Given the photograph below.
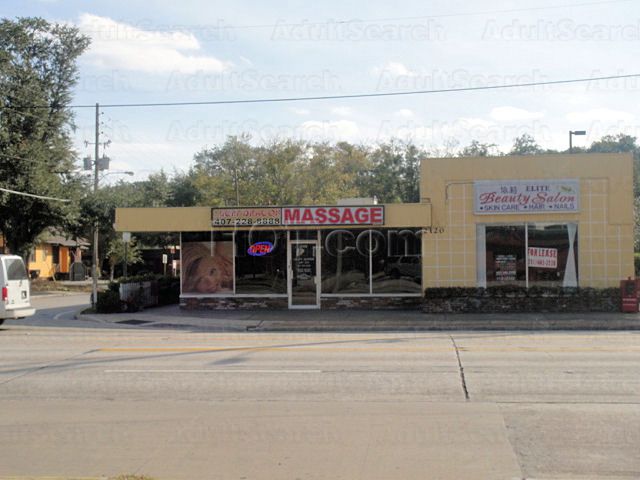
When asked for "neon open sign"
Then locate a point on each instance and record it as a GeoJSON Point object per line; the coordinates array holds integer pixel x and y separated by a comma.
{"type": "Point", "coordinates": [260, 249]}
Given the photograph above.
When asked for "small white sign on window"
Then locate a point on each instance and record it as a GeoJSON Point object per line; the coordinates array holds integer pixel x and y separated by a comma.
{"type": "Point", "coordinates": [543, 257]}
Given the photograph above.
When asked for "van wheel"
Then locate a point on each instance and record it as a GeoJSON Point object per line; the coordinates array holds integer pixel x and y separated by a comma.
{"type": "Point", "coordinates": [1, 321]}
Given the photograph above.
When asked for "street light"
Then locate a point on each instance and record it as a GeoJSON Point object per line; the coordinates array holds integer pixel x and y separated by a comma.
{"type": "Point", "coordinates": [571, 134]}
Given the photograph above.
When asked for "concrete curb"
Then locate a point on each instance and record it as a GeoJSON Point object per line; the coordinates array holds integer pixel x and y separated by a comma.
{"type": "Point", "coordinates": [610, 322]}
{"type": "Point", "coordinates": [454, 326]}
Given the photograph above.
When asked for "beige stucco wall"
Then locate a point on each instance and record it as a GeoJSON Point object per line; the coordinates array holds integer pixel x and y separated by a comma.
{"type": "Point", "coordinates": [605, 220]}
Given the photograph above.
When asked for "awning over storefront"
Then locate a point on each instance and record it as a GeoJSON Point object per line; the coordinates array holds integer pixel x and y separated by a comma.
{"type": "Point", "coordinates": [197, 219]}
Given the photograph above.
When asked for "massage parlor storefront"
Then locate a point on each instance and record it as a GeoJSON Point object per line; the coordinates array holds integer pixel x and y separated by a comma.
{"type": "Point", "coordinates": [544, 220]}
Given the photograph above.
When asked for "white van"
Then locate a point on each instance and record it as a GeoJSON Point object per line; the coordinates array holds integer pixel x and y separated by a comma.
{"type": "Point", "coordinates": [16, 291]}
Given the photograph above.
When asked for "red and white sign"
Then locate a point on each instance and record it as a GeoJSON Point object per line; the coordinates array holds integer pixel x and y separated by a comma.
{"type": "Point", "coordinates": [543, 257]}
{"type": "Point", "coordinates": [351, 215]}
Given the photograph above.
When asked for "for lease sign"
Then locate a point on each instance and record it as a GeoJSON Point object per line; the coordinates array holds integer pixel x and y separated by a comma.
{"type": "Point", "coordinates": [542, 257]}
{"type": "Point", "coordinates": [526, 196]}
{"type": "Point", "coordinates": [351, 215]}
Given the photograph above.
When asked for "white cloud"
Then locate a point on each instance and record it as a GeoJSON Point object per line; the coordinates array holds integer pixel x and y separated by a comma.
{"type": "Point", "coordinates": [342, 111]}
{"type": "Point", "coordinates": [299, 111]}
{"type": "Point", "coordinates": [394, 69]}
{"type": "Point", "coordinates": [600, 114]}
{"type": "Point", "coordinates": [116, 45]}
{"type": "Point", "coordinates": [513, 114]}
{"type": "Point", "coordinates": [329, 130]}
{"type": "Point", "coordinates": [246, 61]}
{"type": "Point", "coordinates": [404, 113]}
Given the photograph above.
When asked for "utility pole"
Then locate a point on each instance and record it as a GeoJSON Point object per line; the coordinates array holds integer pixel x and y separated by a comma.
{"type": "Point", "coordinates": [94, 266]}
{"type": "Point", "coordinates": [96, 165]}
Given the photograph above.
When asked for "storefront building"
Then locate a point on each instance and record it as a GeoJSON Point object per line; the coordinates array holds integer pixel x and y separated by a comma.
{"type": "Point", "coordinates": [544, 220]}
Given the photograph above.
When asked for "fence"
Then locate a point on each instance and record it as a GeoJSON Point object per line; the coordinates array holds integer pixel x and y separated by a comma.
{"type": "Point", "coordinates": [143, 294]}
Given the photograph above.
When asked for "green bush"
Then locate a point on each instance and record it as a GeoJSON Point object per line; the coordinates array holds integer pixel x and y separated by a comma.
{"type": "Point", "coordinates": [108, 302]}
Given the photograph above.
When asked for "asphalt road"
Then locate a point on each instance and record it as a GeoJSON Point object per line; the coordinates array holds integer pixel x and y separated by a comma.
{"type": "Point", "coordinates": [80, 401]}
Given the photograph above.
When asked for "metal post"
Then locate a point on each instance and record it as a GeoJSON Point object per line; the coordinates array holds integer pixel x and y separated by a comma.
{"type": "Point", "coordinates": [94, 266]}
{"type": "Point", "coordinates": [570, 142]}
{"type": "Point", "coordinates": [235, 178]}
{"type": "Point", "coordinates": [124, 267]}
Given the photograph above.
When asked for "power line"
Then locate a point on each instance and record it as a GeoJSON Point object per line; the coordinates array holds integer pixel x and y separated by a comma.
{"type": "Point", "coordinates": [355, 95]}
{"type": "Point", "coordinates": [41, 197]}
{"type": "Point", "coordinates": [339, 97]}
{"type": "Point", "coordinates": [364, 21]}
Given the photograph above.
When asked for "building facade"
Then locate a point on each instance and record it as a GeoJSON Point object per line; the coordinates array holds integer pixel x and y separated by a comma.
{"type": "Point", "coordinates": [544, 220]}
{"type": "Point", "coordinates": [585, 241]}
{"type": "Point", "coordinates": [52, 256]}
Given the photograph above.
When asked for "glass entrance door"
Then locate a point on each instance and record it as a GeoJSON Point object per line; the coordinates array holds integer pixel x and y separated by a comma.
{"type": "Point", "coordinates": [304, 281]}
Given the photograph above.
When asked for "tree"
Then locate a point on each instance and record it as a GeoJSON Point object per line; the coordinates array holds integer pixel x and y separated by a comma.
{"type": "Point", "coordinates": [37, 74]}
{"type": "Point", "coordinates": [116, 254]}
{"type": "Point", "coordinates": [224, 174]}
{"type": "Point", "coordinates": [157, 190]}
{"type": "Point", "coordinates": [621, 143]}
{"type": "Point", "coordinates": [525, 144]}
{"type": "Point", "coordinates": [614, 144]}
{"type": "Point", "coordinates": [395, 172]}
{"type": "Point", "coordinates": [184, 192]}
{"type": "Point", "coordinates": [479, 149]}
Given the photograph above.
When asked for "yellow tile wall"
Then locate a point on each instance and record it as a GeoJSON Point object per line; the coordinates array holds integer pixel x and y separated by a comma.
{"type": "Point", "coordinates": [605, 220]}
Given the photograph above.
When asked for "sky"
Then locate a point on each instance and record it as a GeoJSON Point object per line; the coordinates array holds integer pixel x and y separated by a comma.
{"type": "Point", "coordinates": [193, 50]}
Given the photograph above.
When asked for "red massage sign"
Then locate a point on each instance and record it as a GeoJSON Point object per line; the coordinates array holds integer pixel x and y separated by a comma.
{"type": "Point", "coordinates": [526, 196]}
{"type": "Point", "coordinates": [321, 215]}
{"type": "Point", "coordinates": [364, 215]}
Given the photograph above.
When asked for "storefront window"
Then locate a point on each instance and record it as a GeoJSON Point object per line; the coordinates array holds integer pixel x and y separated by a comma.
{"type": "Point", "coordinates": [396, 262]}
{"type": "Point", "coordinates": [505, 255]}
{"type": "Point", "coordinates": [528, 255]}
{"type": "Point", "coordinates": [207, 263]}
{"type": "Point", "coordinates": [345, 261]}
{"type": "Point", "coordinates": [552, 255]}
{"type": "Point", "coordinates": [261, 262]}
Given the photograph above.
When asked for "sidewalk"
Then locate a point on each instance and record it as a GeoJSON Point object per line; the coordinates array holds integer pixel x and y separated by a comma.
{"type": "Point", "coordinates": [359, 320]}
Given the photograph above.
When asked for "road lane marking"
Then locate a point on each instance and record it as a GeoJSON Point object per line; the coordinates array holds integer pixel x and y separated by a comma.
{"type": "Point", "coordinates": [313, 348]}
{"type": "Point", "coordinates": [226, 370]}
{"type": "Point", "coordinates": [284, 348]}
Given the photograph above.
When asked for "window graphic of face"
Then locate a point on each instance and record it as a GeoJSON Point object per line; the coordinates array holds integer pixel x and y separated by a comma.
{"type": "Point", "coordinates": [206, 273]}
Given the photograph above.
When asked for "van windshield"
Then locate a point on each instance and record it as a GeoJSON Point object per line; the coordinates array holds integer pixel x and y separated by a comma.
{"type": "Point", "coordinates": [15, 269]}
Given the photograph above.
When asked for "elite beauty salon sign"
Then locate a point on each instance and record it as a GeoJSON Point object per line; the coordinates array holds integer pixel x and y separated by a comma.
{"type": "Point", "coordinates": [526, 196]}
